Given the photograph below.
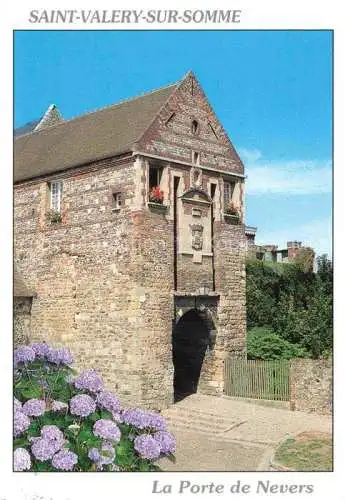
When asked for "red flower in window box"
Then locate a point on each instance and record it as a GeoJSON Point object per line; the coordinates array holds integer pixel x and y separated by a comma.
{"type": "Point", "coordinates": [156, 195]}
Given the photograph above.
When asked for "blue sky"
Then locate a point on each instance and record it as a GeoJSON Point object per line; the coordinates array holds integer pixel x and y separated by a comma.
{"type": "Point", "coordinates": [270, 89]}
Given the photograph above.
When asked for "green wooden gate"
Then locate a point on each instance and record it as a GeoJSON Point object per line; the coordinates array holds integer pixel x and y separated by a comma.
{"type": "Point", "coordinates": [257, 379]}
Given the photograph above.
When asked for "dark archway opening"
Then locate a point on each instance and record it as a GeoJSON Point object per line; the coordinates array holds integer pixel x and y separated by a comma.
{"type": "Point", "coordinates": [189, 341]}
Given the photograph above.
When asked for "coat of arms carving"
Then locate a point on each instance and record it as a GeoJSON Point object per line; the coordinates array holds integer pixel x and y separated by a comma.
{"type": "Point", "coordinates": [197, 236]}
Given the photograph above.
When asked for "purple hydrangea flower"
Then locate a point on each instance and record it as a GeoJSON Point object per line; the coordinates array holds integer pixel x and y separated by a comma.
{"type": "Point", "coordinates": [24, 354]}
{"type": "Point", "coordinates": [94, 454]}
{"type": "Point", "coordinates": [41, 349]}
{"type": "Point", "coordinates": [34, 407]}
{"type": "Point", "coordinates": [53, 434]}
{"type": "Point", "coordinates": [107, 429]}
{"type": "Point", "coordinates": [117, 417]}
{"type": "Point", "coordinates": [105, 456]}
{"type": "Point", "coordinates": [43, 449]}
{"type": "Point", "coordinates": [21, 460]}
{"type": "Point", "coordinates": [166, 441]}
{"type": "Point", "coordinates": [59, 406]}
{"type": "Point", "coordinates": [65, 460]}
{"type": "Point", "coordinates": [143, 419]}
{"type": "Point", "coordinates": [147, 446]}
{"type": "Point", "coordinates": [135, 417]}
{"type": "Point", "coordinates": [60, 356]}
{"type": "Point", "coordinates": [17, 405]}
{"type": "Point", "coordinates": [82, 405]}
{"type": "Point", "coordinates": [89, 380]}
{"type": "Point", "coordinates": [20, 423]}
{"type": "Point", "coordinates": [157, 422]}
{"type": "Point", "coordinates": [32, 439]}
{"type": "Point", "coordinates": [108, 401]}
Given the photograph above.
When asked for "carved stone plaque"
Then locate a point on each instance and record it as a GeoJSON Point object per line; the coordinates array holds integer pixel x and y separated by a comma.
{"type": "Point", "coordinates": [197, 236]}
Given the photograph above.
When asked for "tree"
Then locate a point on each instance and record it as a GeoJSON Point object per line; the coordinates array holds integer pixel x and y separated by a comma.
{"type": "Point", "coordinates": [304, 260]}
{"type": "Point", "coordinates": [294, 304]}
{"type": "Point", "coordinates": [325, 272]}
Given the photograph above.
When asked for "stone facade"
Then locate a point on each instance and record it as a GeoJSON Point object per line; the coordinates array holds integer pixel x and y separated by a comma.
{"type": "Point", "coordinates": [311, 385]}
{"type": "Point", "coordinates": [21, 320]}
{"type": "Point", "coordinates": [110, 279]}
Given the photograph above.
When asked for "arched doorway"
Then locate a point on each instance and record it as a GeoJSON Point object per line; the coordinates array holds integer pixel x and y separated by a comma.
{"type": "Point", "coordinates": [190, 339]}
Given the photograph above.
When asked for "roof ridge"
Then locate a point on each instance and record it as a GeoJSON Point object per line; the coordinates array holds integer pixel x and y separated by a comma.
{"type": "Point", "coordinates": [99, 109]}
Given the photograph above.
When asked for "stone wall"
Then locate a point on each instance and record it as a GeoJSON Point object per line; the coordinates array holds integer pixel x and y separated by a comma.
{"type": "Point", "coordinates": [311, 385]}
{"type": "Point", "coordinates": [21, 320]}
{"type": "Point", "coordinates": [229, 259]}
{"type": "Point", "coordinates": [84, 273]}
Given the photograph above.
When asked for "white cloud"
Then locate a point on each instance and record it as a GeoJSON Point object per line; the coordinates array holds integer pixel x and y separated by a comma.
{"type": "Point", "coordinates": [250, 155]}
{"type": "Point", "coordinates": [316, 234]}
{"type": "Point", "coordinates": [297, 177]}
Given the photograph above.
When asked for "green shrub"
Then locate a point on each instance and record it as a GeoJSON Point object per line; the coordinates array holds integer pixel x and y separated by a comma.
{"type": "Point", "coordinates": [263, 343]}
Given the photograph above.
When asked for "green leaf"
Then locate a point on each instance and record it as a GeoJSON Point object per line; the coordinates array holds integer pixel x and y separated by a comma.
{"type": "Point", "coordinates": [124, 447]}
{"type": "Point", "coordinates": [106, 415]}
{"type": "Point", "coordinates": [34, 429]}
{"type": "Point", "coordinates": [155, 468]}
{"type": "Point", "coordinates": [20, 442]}
{"type": "Point", "coordinates": [32, 393]}
{"type": "Point", "coordinates": [94, 416]}
{"type": "Point", "coordinates": [42, 467]}
{"type": "Point", "coordinates": [85, 435]}
{"type": "Point", "coordinates": [144, 466]}
{"type": "Point", "coordinates": [171, 457]}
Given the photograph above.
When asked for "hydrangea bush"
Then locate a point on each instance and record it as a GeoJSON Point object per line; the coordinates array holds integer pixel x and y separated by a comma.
{"type": "Point", "coordinates": [64, 421]}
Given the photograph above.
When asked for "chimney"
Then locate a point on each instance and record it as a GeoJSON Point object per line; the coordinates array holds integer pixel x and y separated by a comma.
{"type": "Point", "coordinates": [293, 248]}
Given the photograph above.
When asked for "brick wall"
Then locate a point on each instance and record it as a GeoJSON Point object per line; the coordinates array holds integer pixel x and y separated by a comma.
{"type": "Point", "coordinates": [311, 385]}
{"type": "Point", "coordinates": [170, 134]}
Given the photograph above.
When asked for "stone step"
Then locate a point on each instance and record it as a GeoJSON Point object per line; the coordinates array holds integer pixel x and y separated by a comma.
{"type": "Point", "coordinates": [203, 420]}
{"type": "Point", "coordinates": [197, 427]}
{"type": "Point", "coordinates": [182, 417]}
{"type": "Point", "coordinates": [184, 430]}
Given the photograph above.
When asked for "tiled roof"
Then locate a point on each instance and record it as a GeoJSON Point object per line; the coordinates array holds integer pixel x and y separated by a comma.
{"type": "Point", "coordinates": [100, 134]}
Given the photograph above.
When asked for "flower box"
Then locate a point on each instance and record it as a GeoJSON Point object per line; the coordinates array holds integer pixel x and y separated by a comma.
{"type": "Point", "coordinates": [157, 207]}
{"type": "Point", "coordinates": [231, 218]}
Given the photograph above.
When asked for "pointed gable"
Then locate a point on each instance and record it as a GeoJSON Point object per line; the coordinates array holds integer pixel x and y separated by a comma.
{"type": "Point", "coordinates": [51, 117]}
{"type": "Point", "coordinates": [187, 125]}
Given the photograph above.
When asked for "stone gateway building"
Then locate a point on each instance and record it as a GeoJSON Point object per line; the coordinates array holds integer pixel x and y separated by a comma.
{"type": "Point", "coordinates": [128, 230]}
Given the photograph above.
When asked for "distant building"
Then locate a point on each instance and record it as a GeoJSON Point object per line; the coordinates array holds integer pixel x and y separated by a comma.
{"type": "Point", "coordinates": [271, 253]}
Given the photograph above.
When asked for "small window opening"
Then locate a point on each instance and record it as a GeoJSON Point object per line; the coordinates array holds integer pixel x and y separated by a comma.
{"type": "Point", "coordinates": [195, 127]}
{"type": "Point", "coordinates": [117, 200]}
{"type": "Point", "coordinates": [228, 191]}
{"type": "Point", "coordinates": [155, 176]}
{"type": "Point", "coordinates": [196, 158]}
{"type": "Point", "coordinates": [213, 190]}
{"type": "Point", "coordinates": [55, 195]}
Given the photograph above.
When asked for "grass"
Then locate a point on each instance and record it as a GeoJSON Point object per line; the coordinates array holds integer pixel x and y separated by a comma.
{"type": "Point", "coordinates": [306, 452]}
